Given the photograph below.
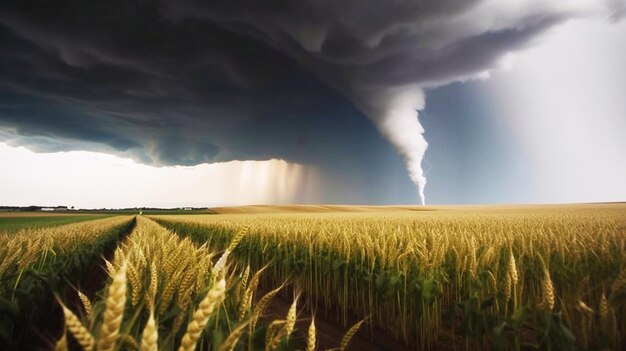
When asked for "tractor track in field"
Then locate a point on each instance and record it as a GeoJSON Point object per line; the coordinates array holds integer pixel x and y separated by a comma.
{"type": "Point", "coordinates": [93, 280]}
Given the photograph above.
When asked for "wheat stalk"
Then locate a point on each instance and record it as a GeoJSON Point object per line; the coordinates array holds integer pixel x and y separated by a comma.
{"type": "Point", "coordinates": [512, 269]}
{"type": "Point", "coordinates": [310, 341]}
{"type": "Point", "coordinates": [238, 237]}
{"type": "Point", "coordinates": [604, 311]}
{"type": "Point", "coordinates": [291, 317]}
{"type": "Point", "coordinates": [585, 308]}
{"type": "Point", "coordinates": [261, 304]}
{"type": "Point", "coordinates": [86, 303]}
{"type": "Point", "coordinates": [349, 334]}
{"type": "Point", "coordinates": [114, 311]}
{"type": "Point", "coordinates": [221, 263]}
{"type": "Point", "coordinates": [548, 290]}
{"type": "Point", "coordinates": [619, 284]}
{"type": "Point", "coordinates": [507, 287]}
{"type": "Point", "coordinates": [152, 288]}
{"type": "Point", "coordinates": [275, 332]}
{"type": "Point", "coordinates": [246, 275]}
{"type": "Point", "coordinates": [168, 292]}
{"type": "Point", "coordinates": [61, 344]}
{"type": "Point", "coordinates": [245, 304]}
{"type": "Point", "coordinates": [78, 330]}
{"type": "Point", "coordinates": [150, 335]}
{"type": "Point", "coordinates": [201, 316]}
{"type": "Point", "coordinates": [135, 284]}
{"type": "Point", "coordinates": [231, 341]}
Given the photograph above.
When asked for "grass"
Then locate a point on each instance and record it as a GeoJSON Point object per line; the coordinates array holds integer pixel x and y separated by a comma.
{"type": "Point", "coordinates": [17, 223]}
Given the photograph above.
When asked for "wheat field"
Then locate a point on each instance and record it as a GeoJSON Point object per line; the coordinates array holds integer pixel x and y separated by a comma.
{"type": "Point", "coordinates": [445, 278]}
{"type": "Point", "coordinates": [166, 293]}
{"type": "Point", "coordinates": [476, 278]}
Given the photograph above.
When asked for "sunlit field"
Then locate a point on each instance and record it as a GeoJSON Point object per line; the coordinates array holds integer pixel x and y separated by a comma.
{"type": "Point", "coordinates": [320, 277]}
{"type": "Point", "coordinates": [472, 277]}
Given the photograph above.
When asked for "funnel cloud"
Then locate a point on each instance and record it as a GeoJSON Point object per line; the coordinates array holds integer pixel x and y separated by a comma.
{"type": "Point", "coordinates": [190, 82]}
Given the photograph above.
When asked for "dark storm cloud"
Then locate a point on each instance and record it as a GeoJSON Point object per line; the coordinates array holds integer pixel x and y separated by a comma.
{"type": "Point", "coordinates": [186, 82]}
{"type": "Point", "coordinates": [123, 76]}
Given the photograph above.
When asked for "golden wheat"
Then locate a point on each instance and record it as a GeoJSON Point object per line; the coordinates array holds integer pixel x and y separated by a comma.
{"type": "Point", "coordinates": [310, 341]}
{"type": "Point", "coordinates": [114, 311]}
{"type": "Point", "coordinates": [201, 316]}
{"type": "Point", "coordinates": [78, 330]}
{"type": "Point", "coordinates": [86, 303]}
{"type": "Point", "coordinates": [345, 341]}
{"type": "Point", "coordinates": [150, 335]}
{"type": "Point", "coordinates": [368, 264]}
{"type": "Point", "coordinates": [548, 291]}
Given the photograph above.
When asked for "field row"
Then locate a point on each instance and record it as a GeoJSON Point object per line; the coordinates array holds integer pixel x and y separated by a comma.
{"type": "Point", "coordinates": [35, 263]}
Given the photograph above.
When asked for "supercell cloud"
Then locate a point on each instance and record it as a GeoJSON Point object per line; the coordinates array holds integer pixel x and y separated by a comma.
{"type": "Point", "coordinates": [189, 82]}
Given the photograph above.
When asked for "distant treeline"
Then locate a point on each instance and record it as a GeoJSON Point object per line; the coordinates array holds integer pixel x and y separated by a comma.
{"type": "Point", "coordinates": [21, 208]}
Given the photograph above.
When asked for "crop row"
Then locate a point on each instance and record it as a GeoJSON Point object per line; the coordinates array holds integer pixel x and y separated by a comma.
{"type": "Point", "coordinates": [167, 293]}
{"type": "Point", "coordinates": [36, 263]}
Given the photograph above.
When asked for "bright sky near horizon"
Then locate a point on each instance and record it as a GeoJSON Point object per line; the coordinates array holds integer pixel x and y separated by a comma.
{"type": "Point", "coordinates": [94, 180]}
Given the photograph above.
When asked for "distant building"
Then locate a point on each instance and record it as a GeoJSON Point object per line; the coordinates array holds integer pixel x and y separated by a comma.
{"type": "Point", "coordinates": [47, 209]}
{"type": "Point", "coordinates": [187, 208]}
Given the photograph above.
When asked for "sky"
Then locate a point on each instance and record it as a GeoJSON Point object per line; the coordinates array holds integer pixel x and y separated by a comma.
{"type": "Point", "coordinates": [111, 104]}
{"type": "Point", "coordinates": [549, 128]}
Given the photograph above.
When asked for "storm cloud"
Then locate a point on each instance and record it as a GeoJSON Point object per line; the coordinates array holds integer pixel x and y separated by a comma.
{"type": "Point", "coordinates": [190, 82]}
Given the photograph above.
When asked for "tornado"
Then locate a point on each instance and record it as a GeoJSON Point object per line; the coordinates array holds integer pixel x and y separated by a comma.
{"type": "Point", "coordinates": [394, 111]}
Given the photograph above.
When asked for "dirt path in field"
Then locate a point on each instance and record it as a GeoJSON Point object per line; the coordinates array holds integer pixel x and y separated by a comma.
{"type": "Point", "coordinates": [93, 280]}
{"type": "Point", "coordinates": [97, 275]}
